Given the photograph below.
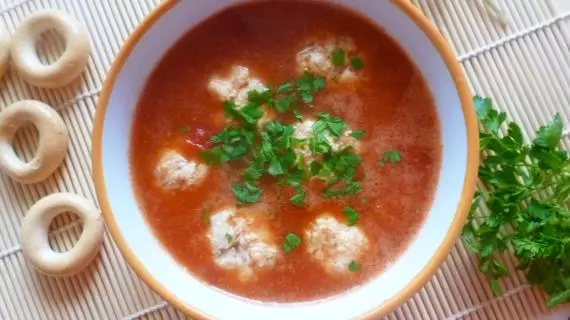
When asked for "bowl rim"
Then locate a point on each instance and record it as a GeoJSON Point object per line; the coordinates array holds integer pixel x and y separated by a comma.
{"type": "Point", "coordinates": [416, 283]}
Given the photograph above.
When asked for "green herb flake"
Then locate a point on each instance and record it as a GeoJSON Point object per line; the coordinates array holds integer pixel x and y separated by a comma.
{"type": "Point", "coordinates": [291, 242]}
{"type": "Point", "coordinates": [337, 57]}
{"type": "Point", "coordinates": [357, 63]}
{"type": "Point", "coordinates": [229, 237]}
{"type": "Point", "coordinates": [298, 115]}
{"type": "Point", "coordinates": [349, 189]}
{"type": "Point", "coordinates": [284, 103]}
{"type": "Point", "coordinates": [285, 88]}
{"type": "Point", "coordinates": [358, 134]}
{"type": "Point", "coordinates": [351, 216]}
{"type": "Point", "coordinates": [393, 157]}
{"type": "Point", "coordinates": [354, 266]}
{"type": "Point", "coordinates": [246, 193]}
{"type": "Point", "coordinates": [298, 199]}
{"type": "Point", "coordinates": [363, 201]}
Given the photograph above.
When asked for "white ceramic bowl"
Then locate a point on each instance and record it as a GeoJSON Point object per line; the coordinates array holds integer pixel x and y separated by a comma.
{"type": "Point", "coordinates": [111, 139]}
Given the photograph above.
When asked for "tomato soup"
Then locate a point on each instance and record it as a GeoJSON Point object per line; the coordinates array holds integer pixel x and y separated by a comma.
{"type": "Point", "coordinates": [285, 150]}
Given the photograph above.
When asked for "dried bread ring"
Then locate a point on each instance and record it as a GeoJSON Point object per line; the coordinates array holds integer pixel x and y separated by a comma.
{"type": "Point", "coordinates": [67, 67]}
{"type": "Point", "coordinates": [52, 145]}
{"type": "Point", "coordinates": [4, 50]}
{"type": "Point", "coordinates": [34, 234]}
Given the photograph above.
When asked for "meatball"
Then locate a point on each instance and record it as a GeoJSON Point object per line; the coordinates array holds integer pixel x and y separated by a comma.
{"type": "Point", "coordinates": [174, 172]}
{"type": "Point", "coordinates": [333, 244]}
{"type": "Point", "coordinates": [317, 59]}
{"type": "Point", "coordinates": [236, 86]}
{"type": "Point", "coordinates": [241, 244]}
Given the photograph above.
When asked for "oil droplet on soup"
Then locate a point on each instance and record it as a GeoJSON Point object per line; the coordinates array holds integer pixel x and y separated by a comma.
{"type": "Point", "coordinates": [285, 160]}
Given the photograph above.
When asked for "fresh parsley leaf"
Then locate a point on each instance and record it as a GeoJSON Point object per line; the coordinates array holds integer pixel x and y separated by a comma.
{"type": "Point", "coordinates": [294, 181]}
{"type": "Point", "coordinates": [285, 88]}
{"type": "Point", "coordinates": [298, 115]}
{"type": "Point", "coordinates": [351, 216]}
{"type": "Point", "coordinates": [559, 298]}
{"type": "Point", "coordinates": [549, 136]}
{"type": "Point", "coordinates": [319, 83]}
{"type": "Point", "coordinates": [354, 266]}
{"type": "Point", "coordinates": [232, 143]}
{"type": "Point", "coordinates": [358, 134]}
{"type": "Point", "coordinates": [327, 122]}
{"type": "Point", "coordinates": [246, 193]}
{"type": "Point", "coordinates": [308, 85]}
{"type": "Point", "coordinates": [291, 241]}
{"type": "Point", "coordinates": [357, 63]}
{"type": "Point", "coordinates": [229, 237]}
{"type": "Point", "coordinates": [275, 167]}
{"type": "Point", "coordinates": [250, 113]}
{"type": "Point", "coordinates": [298, 199]}
{"type": "Point", "coordinates": [393, 156]}
{"type": "Point", "coordinates": [284, 103]}
{"type": "Point", "coordinates": [337, 57]}
{"type": "Point", "coordinates": [482, 106]}
{"type": "Point", "coordinates": [349, 189]}
{"type": "Point", "coordinates": [259, 97]}
{"type": "Point", "coordinates": [253, 172]}
{"type": "Point", "coordinates": [490, 119]}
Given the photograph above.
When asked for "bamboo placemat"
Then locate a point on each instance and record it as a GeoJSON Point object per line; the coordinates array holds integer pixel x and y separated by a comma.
{"type": "Point", "coordinates": [524, 66]}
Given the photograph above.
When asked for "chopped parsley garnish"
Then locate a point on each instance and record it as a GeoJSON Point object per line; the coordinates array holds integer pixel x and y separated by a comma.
{"type": "Point", "coordinates": [348, 189]}
{"type": "Point", "coordinates": [526, 191]}
{"type": "Point", "coordinates": [351, 216]}
{"type": "Point", "coordinates": [357, 63]}
{"type": "Point", "coordinates": [232, 143]}
{"type": "Point", "coordinates": [284, 104]}
{"type": "Point", "coordinates": [393, 157]}
{"type": "Point", "coordinates": [298, 115]}
{"type": "Point", "coordinates": [354, 266]}
{"type": "Point", "coordinates": [308, 85]}
{"type": "Point", "coordinates": [246, 193]}
{"type": "Point", "coordinates": [291, 242]}
{"type": "Point", "coordinates": [328, 122]}
{"type": "Point", "coordinates": [358, 134]}
{"type": "Point", "coordinates": [285, 88]}
{"type": "Point", "coordinates": [273, 150]}
{"type": "Point", "coordinates": [293, 95]}
{"type": "Point", "coordinates": [298, 199]}
{"type": "Point", "coordinates": [229, 237]}
{"type": "Point", "coordinates": [337, 57]}
{"type": "Point", "coordinates": [363, 201]}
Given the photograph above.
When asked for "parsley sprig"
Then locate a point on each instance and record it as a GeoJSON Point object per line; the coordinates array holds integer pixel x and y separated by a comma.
{"type": "Point", "coordinates": [526, 190]}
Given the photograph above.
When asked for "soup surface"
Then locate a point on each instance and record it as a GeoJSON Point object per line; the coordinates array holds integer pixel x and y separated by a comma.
{"type": "Point", "coordinates": [304, 226]}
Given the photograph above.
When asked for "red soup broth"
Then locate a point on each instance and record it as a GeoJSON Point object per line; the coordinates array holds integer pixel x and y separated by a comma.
{"type": "Point", "coordinates": [390, 102]}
